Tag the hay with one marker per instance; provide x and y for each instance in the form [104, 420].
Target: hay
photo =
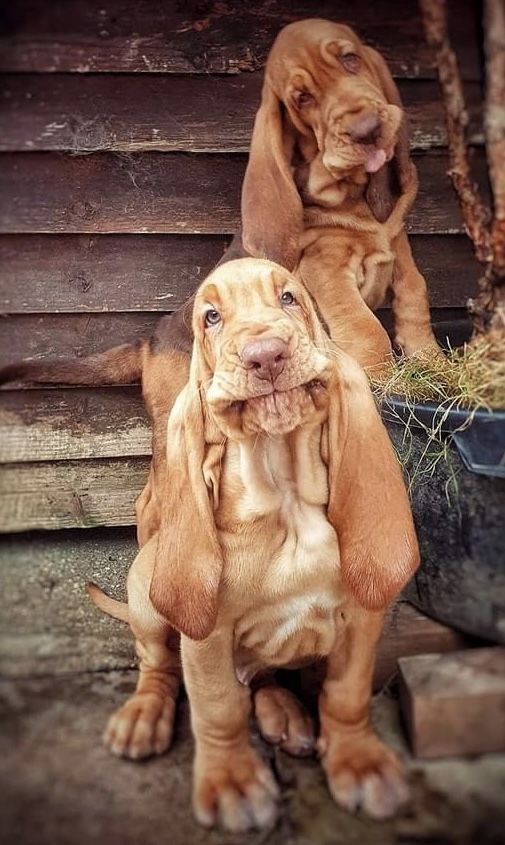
[470, 377]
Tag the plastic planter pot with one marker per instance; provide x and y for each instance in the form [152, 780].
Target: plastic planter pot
[459, 509]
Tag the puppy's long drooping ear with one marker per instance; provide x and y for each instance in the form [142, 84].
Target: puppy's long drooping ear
[385, 186]
[188, 564]
[368, 503]
[272, 212]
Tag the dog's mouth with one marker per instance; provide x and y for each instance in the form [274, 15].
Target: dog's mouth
[273, 398]
[277, 413]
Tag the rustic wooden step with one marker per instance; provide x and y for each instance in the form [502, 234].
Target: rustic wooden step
[70, 494]
[454, 704]
[171, 37]
[168, 192]
[65, 425]
[79, 273]
[212, 114]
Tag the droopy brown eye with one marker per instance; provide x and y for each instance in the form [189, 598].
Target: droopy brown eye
[212, 317]
[303, 98]
[351, 62]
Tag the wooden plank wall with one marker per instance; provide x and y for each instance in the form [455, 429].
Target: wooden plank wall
[125, 130]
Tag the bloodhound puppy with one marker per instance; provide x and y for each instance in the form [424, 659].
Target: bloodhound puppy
[285, 532]
[329, 182]
[327, 187]
[326, 190]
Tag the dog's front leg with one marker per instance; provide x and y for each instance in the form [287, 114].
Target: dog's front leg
[231, 782]
[411, 309]
[360, 769]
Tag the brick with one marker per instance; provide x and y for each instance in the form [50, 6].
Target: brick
[454, 704]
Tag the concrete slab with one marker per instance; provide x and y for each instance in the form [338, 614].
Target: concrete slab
[61, 787]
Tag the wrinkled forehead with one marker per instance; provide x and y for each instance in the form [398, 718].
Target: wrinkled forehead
[242, 284]
[302, 43]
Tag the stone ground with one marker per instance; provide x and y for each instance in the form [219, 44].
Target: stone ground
[59, 786]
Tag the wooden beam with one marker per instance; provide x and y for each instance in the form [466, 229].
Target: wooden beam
[70, 494]
[68, 113]
[77, 273]
[165, 193]
[80, 273]
[145, 36]
[76, 335]
[63, 425]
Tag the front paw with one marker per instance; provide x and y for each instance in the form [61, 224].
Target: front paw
[141, 727]
[234, 788]
[363, 773]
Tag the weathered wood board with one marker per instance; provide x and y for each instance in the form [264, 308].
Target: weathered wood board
[74, 273]
[77, 335]
[168, 192]
[59, 425]
[146, 36]
[70, 494]
[139, 113]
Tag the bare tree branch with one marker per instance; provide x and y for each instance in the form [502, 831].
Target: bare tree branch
[494, 123]
[475, 214]
[488, 308]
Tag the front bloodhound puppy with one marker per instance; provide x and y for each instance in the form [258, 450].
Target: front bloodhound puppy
[327, 186]
[285, 532]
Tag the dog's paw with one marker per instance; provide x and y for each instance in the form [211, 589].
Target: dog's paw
[283, 721]
[236, 789]
[141, 727]
[363, 773]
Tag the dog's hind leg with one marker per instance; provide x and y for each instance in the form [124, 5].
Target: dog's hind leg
[282, 719]
[144, 724]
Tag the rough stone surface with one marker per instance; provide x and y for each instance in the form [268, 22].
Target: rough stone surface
[61, 787]
[48, 625]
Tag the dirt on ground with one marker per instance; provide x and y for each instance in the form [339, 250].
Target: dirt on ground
[60, 786]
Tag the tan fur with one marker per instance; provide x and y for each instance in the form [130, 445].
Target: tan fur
[308, 203]
[285, 532]
[117, 609]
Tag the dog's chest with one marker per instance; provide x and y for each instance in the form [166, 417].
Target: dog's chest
[282, 565]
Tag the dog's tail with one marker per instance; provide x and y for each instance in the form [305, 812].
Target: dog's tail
[117, 609]
[119, 365]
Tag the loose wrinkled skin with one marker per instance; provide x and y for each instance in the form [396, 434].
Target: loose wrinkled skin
[268, 555]
[313, 199]
[328, 185]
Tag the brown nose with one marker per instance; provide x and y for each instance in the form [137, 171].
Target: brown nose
[266, 356]
[366, 128]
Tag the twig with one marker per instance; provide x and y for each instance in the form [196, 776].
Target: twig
[488, 308]
[475, 214]
[494, 123]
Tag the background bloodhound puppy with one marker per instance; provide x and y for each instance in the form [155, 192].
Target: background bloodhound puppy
[328, 185]
[284, 534]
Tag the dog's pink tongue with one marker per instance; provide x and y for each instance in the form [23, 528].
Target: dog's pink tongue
[375, 161]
